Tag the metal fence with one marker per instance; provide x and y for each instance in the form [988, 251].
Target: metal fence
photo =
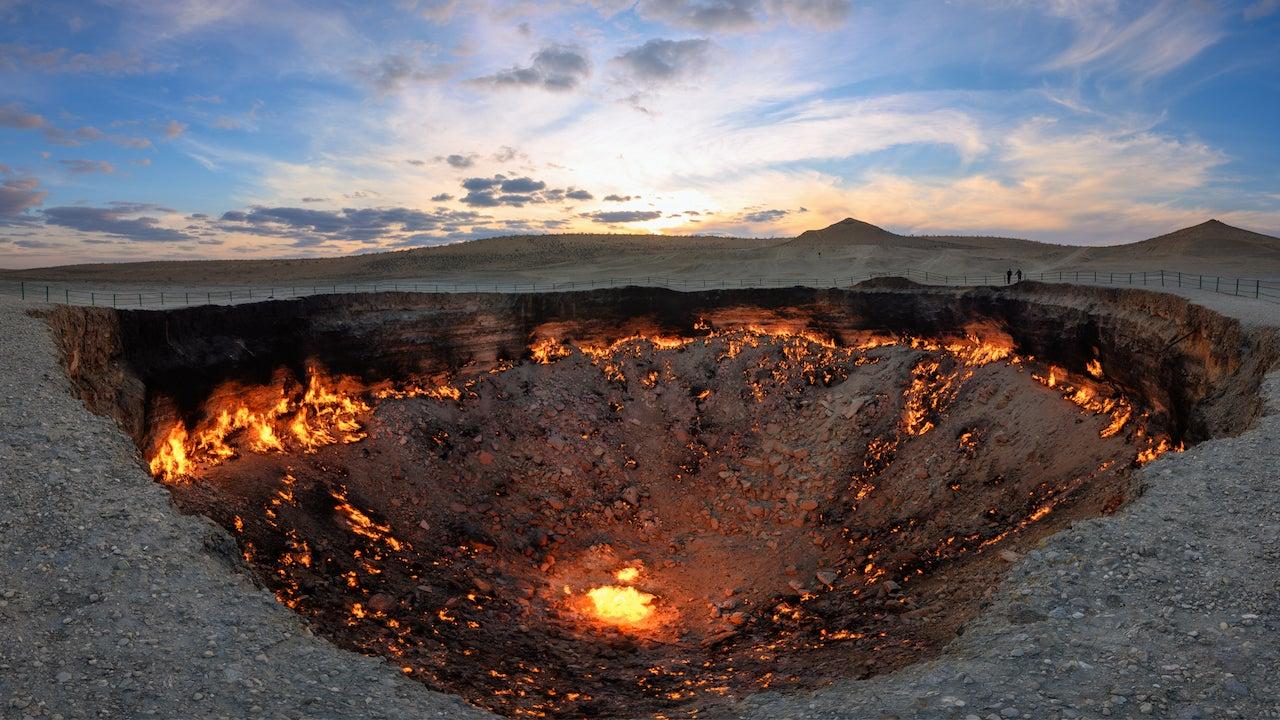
[37, 291]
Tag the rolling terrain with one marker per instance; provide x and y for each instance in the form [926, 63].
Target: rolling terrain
[849, 247]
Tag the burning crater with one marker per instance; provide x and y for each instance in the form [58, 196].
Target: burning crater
[641, 501]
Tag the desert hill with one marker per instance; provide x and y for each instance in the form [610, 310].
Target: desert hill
[1210, 239]
[847, 248]
[851, 231]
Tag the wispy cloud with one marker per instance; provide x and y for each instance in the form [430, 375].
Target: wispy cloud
[17, 196]
[88, 167]
[14, 116]
[19, 57]
[1164, 37]
[663, 61]
[745, 15]
[427, 121]
[128, 221]
[556, 67]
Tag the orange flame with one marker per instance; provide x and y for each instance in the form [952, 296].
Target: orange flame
[1094, 368]
[548, 350]
[621, 606]
[263, 420]
[171, 461]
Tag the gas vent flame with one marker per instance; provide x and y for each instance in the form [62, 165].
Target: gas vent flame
[262, 420]
[622, 605]
[171, 460]
[1094, 368]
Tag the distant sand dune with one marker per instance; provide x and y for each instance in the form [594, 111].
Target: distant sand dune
[849, 247]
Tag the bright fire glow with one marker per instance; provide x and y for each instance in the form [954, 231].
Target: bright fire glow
[1094, 368]
[627, 575]
[622, 606]
[171, 458]
[271, 419]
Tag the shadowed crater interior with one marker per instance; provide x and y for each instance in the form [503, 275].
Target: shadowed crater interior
[636, 501]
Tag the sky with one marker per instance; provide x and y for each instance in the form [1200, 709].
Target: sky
[174, 129]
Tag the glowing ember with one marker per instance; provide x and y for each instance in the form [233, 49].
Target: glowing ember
[627, 575]
[621, 606]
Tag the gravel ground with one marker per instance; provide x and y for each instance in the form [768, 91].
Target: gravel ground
[113, 605]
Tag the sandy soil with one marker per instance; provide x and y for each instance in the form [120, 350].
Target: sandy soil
[848, 248]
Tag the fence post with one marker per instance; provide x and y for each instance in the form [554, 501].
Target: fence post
[1161, 278]
[139, 299]
[1237, 286]
[93, 299]
[188, 297]
[113, 299]
[1257, 288]
[68, 295]
[1179, 278]
[46, 293]
[23, 288]
[161, 298]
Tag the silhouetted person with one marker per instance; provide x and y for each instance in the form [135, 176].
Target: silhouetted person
[1008, 276]
[1019, 274]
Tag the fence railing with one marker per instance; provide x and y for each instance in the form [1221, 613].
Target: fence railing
[1253, 288]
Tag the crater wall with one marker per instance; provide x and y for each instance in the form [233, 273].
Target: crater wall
[1198, 371]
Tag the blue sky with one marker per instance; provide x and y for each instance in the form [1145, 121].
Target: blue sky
[145, 129]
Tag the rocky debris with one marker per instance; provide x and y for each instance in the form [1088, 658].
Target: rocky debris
[1073, 679]
[1164, 610]
[745, 487]
[114, 605]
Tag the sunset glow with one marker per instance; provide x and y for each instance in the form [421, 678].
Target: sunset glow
[330, 129]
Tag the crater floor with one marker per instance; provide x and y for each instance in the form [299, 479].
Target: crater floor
[791, 512]
[119, 606]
